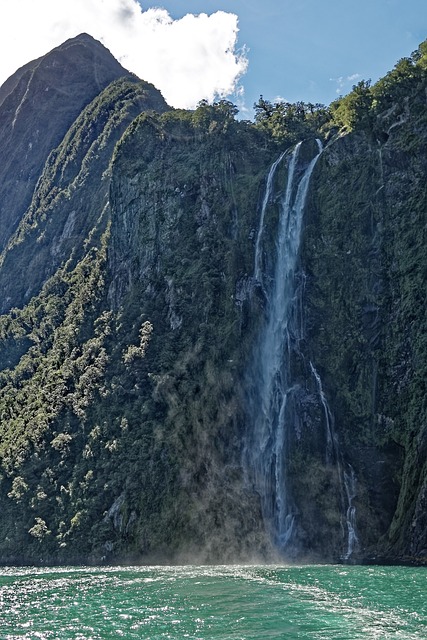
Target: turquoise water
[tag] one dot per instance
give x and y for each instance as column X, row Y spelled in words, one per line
column 229, row 603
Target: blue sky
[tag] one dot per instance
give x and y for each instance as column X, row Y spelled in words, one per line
column 192, row 49
column 312, row 50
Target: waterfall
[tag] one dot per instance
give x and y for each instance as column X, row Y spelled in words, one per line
column 350, row 490
column 330, row 439
column 346, row 478
column 271, row 411
column 266, row 200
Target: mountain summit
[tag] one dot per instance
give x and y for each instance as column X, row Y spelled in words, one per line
column 38, row 104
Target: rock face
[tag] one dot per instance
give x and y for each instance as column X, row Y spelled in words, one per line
column 127, row 341
column 91, row 110
column 365, row 312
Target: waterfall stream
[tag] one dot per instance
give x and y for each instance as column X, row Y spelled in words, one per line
column 266, row 200
column 274, row 392
column 267, row 453
column 330, row 436
column 349, row 478
column 346, row 474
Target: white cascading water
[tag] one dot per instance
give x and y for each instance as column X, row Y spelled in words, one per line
column 266, row 453
column 347, row 478
column 330, row 436
column 350, row 490
column 266, row 200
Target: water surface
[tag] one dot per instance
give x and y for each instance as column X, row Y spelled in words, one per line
column 229, row 603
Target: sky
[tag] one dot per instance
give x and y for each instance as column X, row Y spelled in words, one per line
column 235, row 49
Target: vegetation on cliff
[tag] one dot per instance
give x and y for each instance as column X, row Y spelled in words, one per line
column 360, row 109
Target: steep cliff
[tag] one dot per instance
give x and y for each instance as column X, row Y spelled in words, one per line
column 147, row 246
column 365, row 263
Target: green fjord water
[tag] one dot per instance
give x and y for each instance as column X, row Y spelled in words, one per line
column 224, row 602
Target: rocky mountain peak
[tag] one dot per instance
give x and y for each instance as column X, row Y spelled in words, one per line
column 72, row 52
column 37, row 106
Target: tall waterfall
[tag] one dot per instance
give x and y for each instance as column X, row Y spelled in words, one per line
column 267, row 449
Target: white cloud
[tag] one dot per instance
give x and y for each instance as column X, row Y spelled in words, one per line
column 343, row 82
column 188, row 59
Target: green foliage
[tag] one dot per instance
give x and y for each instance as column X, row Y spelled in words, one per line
column 354, row 110
column 365, row 103
column 39, row 530
column 419, row 56
column 216, row 117
column 134, row 351
column 288, row 123
column 19, row 489
column 59, row 369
